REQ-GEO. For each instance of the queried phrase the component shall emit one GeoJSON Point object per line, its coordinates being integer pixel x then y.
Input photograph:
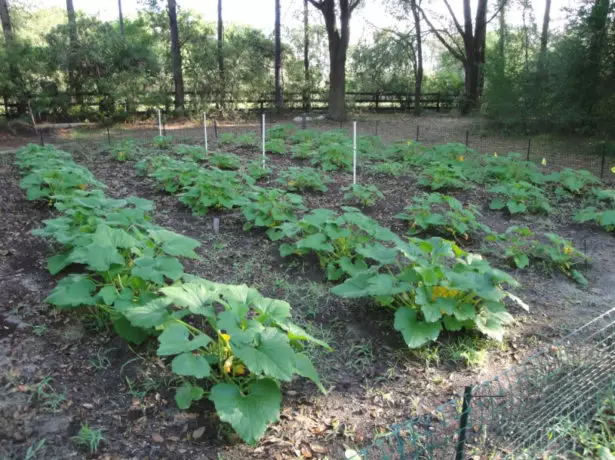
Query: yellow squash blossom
{"type": "Point", "coordinates": [461, 158]}
{"type": "Point", "coordinates": [443, 291]}
{"type": "Point", "coordinates": [544, 162]}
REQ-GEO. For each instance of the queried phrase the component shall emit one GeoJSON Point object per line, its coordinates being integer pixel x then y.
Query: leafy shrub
{"type": "Point", "coordinates": [520, 197]}
{"type": "Point", "coordinates": [270, 208]}
{"type": "Point", "coordinates": [275, 146]}
{"type": "Point", "coordinates": [335, 136]}
{"type": "Point", "coordinates": [302, 179]}
{"type": "Point", "coordinates": [333, 238]}
{"type": "Point", "coordinates": [256, 171]}
{"type": "Point", "coordinates": [408, 151]}
{"type": "Point", "coordinates": [438, 286]}
{"type": "Point", "coordinates": [606, 219]}
{"type": "Point", "coordinates": [365, 195]}
{"type": "Point", "coordinates": [442, 176]}
{"type": "Point", "coordinates": [520, 246]}
{"type": "Point", "coordinates": [281, 132]}
{"type": "Point", "coordinates": [192, 152]}
{"type": "Point", "coordinates": [162, 142]}
{"type": "Point", "coordinates": [213, 189]}
{"type": "Point", "coordinates": [443, 214]}
{"type": "Point", "coordinates": [334, 156]}
{"type": "Point", "coordinates": [370, 146]}
{"type": "Point", "coordinates": [507, 168]}
{"type": "Point", "coordinates": [573, 181]}
{"type": "Point", "coordinates": [123, 151]}
{"type": "Point", "coordinates": [228, 161]}
{"type": "Point", "coordinates": [173, 176]}
{"type": "Point", "coordinates": [303, 150]}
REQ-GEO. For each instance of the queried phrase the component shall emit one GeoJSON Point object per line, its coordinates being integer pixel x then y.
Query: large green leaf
{"type": "Point", "coordinates": [415, 333]}
{"type": "Point", "coordinates": [114, 237]}
{"type": "Point", "coordinates": [151, 314]}
{"type": "Point", "coordinates": [271, 355]}
{"type": "Point", "coordinates": [129, 332]}
{"type": "Point", "coordinates": [315, 242]}
{"type": "Point", "coordinates": [191, 365]}
{"type": "Point", "coordinates": [99, 258]}
{"type": "Point", "coordinates": [298, 333]}
{"type": "Point", "coordinates": [174, 244]}
{"type": "Point", "coordinates": [305, 368]}
{"type": "Point", "coordinates": [175, 339]}
{"type": "Point", "coordinates": [248, 414]}
{"type": "Point", "coordinates": [157, 268]}
{"type": "Point", "coordinates": [72, 291]}
{"type": "Point", "coordinates": [195, 296]}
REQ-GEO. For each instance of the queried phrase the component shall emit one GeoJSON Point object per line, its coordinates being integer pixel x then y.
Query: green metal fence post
{"type": "Point", "coordinates": [463, 423]}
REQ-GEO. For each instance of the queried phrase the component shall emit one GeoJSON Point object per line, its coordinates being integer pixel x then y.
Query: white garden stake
{"type": "Point", "coordinates": [263, 137]}
{"type": "Point", "coordinates": [205, 129]}
{"type": "Point", "coordinates": [159, 123]}
{"type": "Point", "coordinates": [354, 152]}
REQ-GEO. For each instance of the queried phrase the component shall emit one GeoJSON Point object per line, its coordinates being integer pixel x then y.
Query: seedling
{"type": "Point", "coordinates": [89, 437]}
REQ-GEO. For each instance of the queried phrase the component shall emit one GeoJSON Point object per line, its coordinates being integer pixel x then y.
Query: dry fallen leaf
{"type": "Point", "coordinates": [318, 448]}
{"type": "Point", "coordinates": [157, 438]}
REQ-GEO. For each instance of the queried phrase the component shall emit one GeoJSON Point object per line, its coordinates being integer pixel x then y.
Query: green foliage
{"type": "Point", "coordinates": [172, 175]}
{"type": "Point", "coordinates": [301, 179]}
{"type": "Point", "coordinates": [162, 142]}
{"type": "Point", "coordinates": [333, 238]}
{"type": "Point", "coordinates": [445, 176]}
{"type": "Point", "coordinates": [242, 343]}
{"type": "Point", "coordinates": [507, 168]}
{"type": "Point", "coordinates": [213, 189]}
{"type": "Point", "coordinates": [520, 246]}
{"type": "Point", "coordinates": [334, 156]}
{"type": "Point", "coordinates": [226, 139]}
{"type": "Point", "coordinates": [303, 151]}
{"type": "Point", "coordinates": [190, 152]}
{"type": "Point", "coordinates": [228, 161]}
{"type": "Point", "coordinates": [88, 437]}
{"type": "Point", "coordinates": [606, 219]}
{"type": "Point", "coordinates": [364, 195]}
{"type": "Point", "coordinates": [437, 286]}
{"type": "Point", "coordinates": [124, 150]}
{"type": "Point", "coordinates": [247, 140]}
{"type": "Point", "coordinates": [390, 169]}
{"type": "Point", "coordinates": [269, 208]}
{"type": "Point", "coordinates": [282, 132]}
{"type": "Point", "coordinates": [519, 197]}
{"type": "Point", "coordinates": [573, 181]}
{"type": "Point", "coordinates": [443, 214]}
{"type": "Point", "coordinates": [404, 151]}
{"type": "Point", "coordinates": [275, 146]}
{"type": "Point", "coordinates": [303, 136]}
{"type": "Point", "coordinates": [256, 171]}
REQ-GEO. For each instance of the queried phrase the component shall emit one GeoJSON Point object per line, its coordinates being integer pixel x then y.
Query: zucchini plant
{"type": "Point", "coordinates": [432, 285]}
{"type": "Point", "coordinates": [300, 179]}
{"type": "Point", "coordinates": [214, 189]}
{"type": "Point", "coordinates": [363, 195]}
{"type": "Point", "coordinates": [519, 197]}
{"type": "Point", "coordinates": [269, 208]}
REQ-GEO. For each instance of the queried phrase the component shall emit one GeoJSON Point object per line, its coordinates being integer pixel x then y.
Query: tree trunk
{"type": "Point", "coordinates": [278, 59]}
{"type": "Point", "coordinates": [73, 78]}
{"type": "Point", "coordinates": [338, 48]}
{"type": "Point", "coordinates": [119, 6]}
{"type": "Point", "coordinates": [502, 38]}
{"type": "Point", "coordinates": [176, 56]}
{"type": "Point", "coordinates": [222, 86]}
{"type": "Point", "coordinates": [5, 18]}
{"type": "Point", "coordinates": [418, 77]}
{"type": "Point", "coordinates": [598, 25]}
{"type": "Point", "coordinates": [544, 36]}
{"type": "Point", "coordinates": [14, 74]}
{"type": "Point", "coordinates": [307, 84]}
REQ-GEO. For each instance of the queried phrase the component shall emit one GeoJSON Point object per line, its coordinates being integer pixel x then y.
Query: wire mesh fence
{"type": "Point", "coordinates": [557, 152]}
{"type": "Point", "coordinates": [525, 413]}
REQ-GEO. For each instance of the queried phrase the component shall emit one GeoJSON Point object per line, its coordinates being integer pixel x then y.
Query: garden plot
{"type": "Point", "coordinates": [410, 317]}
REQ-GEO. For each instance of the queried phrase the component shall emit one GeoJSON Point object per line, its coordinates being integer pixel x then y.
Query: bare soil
{"type": "Point", "coordinates": [372, 379]}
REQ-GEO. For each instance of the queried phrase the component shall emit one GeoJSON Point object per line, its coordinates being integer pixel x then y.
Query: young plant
{"type": "Point", "coordinates": [333, 157]}
{"type": "Point", "coordinates": [364, 195]}
{"type": "Point", "coordinates": [213, 189]}
{"type": "Point", "coordinates": [334, 239]}
{"type": "Point", "coordinates": [390, 169]}
{"type": "Point", "coordinates": [123, 151]}
{"type": "Point", "coordinates": [303, 151]}
{"type": "Point", "coordinates": [162, 142]}
{"type": "Point", "coordinates": [255, 170]}
{"type": "Point", "coordinates": [437, 286]}
{"type": "Point", "coordinates": [191, 152]}
{"type": "Point", "coordinates": [515, 245]}
{"type": "Point", "coordinates": [175, 175]}
{"type": "Point", "coordinates": [304, 136]}
{"type": "Point", "coordinates": [226, 139]}
{"type": "Point", "coordinates": [89, 438]}
{"type": "Point", "coordinates": [445, 176]}
{"type": "Point", "coordinates": [520, 197]}
{"type": "Point", "coordinates": [301, 179]}
{"type": "Point", "coordinates": [277, 146]}
{"type": "Point", "coordinates": [602, 212]}
{"type": "Point", "coordinates": [227, 161]}
{"type": "Point", "coordinates": [269, 208]}
{"type": "Point", "coordinates": [281, 132]}
{"type": "Point", "coordinates": [443, 214]}
{"type": "Point", "coordinates": [248, 140]}
{"type": "Point", "coordinates": [506, 168]}
{"type": "Point", "coordinates": [573, 181]}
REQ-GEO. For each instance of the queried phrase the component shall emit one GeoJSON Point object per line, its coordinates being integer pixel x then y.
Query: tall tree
{"type": "Point", "coordinates": [338, 49]}
{"type": "Point", "coordinates": [473, 35]}
{"type": "Point", "coordinates": [278, 59]}
{"type": "Point", "coordinates": [15, 85]}
{"type": "Point", "coordinates": [7, 26]}
{"type": "Point", "coordinates": [176, 57]}
{"type": "Point", "coordinates": [418, 77]}
{"type": "Point", "coordinates": [597, 27]}
{"type": "Point", "coordinates": [307, 83]}
{"type": "Point", "coordinates": [121, 16]}
{"type": "Point", "coordinates": [222, 86]}
{"type": "Point", "coordinates": [73, 79]}
{"type": "Point", "coordinates": [544, 36]}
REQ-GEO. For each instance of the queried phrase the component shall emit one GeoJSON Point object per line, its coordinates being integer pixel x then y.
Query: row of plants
{"type": "Point", "coordinates": [227, 343]}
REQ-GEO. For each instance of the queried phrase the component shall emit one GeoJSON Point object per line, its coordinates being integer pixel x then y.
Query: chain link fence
{"type": "Point", "coordinates": [528, 412]}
